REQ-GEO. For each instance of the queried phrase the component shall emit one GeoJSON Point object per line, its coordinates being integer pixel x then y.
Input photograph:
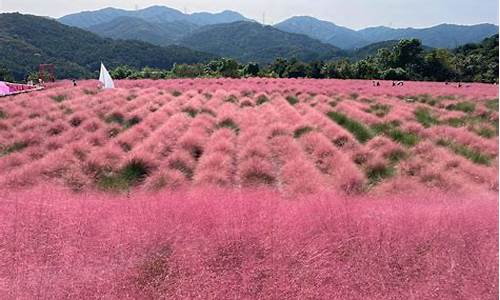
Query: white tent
{"type": "Point", "coordinates": [105, 78]}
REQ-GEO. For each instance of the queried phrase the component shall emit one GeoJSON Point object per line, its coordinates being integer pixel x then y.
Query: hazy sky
{"type": "Point", "coordinates": [351, 13]}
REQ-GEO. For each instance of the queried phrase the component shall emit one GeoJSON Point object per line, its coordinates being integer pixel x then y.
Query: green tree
{"type": "Point", "coordinates": [5, 75]}
{"type": "Point", "coordinates": [439, 65]}
{"type": "Point", "coordinates": [251, 69]}
{"type": "Point", "coordinates": [121, 72]}
{"type": "Point", "coordinates": [394, 74]}
{"type": "Point", "coordinates": [296, 69]}
{"type": "Point", "coordinates": [366, 69]}
{"type": "Point", "coordinates": [279, 67]}
{"type": "Point", "coordinates": [188, 71]}
{"type": "Point", "coordinates": [315, 69]}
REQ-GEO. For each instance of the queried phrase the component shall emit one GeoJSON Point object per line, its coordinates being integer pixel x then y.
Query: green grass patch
{"type": "Point", "coordinates": [379, 172]}
{"type": "Point", "coordinates": [396, 134]}
{"type": "Point", "coordinates": [424, 99]}
{"type": "Point", "coordinates": [182, 167]}
{"type": "Point", "coordinates": [486, 132]}
{"type": "Point", "coordinates": [90, 92]}
{"type": "Point", "coordinates": [115, 118]}
{"type": "Point", "coordinates": [133, 173]}
{"type": "Point", "coordinates": [229, 123]}
{"type": "Point", "coordinates": [208, 112]}
{"type": "Point", "coordinates": [190, 111]}
{"type": "Point", "coordinates": [380, 110]}
{"type": "Point", "coordinates": [15, 147]}
{"type": "Point", "coordinates": [302, 131]}
{"type": "Point", "coordinates": [471, 154]}
{"type": "Point", "coordinates": [292, 100]}
{"type": "Point", "coordinates": [396, 156]}
{"type": "Point", "coordinates": [456, 122]}
{"type": "Point", "coordinates": [176, 93]}
{"type": "Point", "coordinates": [59, 98]}
{"type": "Point", "coordinates": [132, 122]}
{"type": "Point", "coordinates": [261, 100]}
{"type": "Point", "coordinates": [466, 107]}
{"type": "Point", "coordinates": [425, 117]}
{"type": "Point", "coordinates": [354, 96]}
{"type": "Point", "coordinates": [3, 115]}
{"type": "Point", "coordinates": [492, 104]}
{"type": "Point", "coordinates": [131, 97]}
{"type": "Point", "coordinates": [360, 131]}
{"type": "Point", "coordinates": [231, 99]}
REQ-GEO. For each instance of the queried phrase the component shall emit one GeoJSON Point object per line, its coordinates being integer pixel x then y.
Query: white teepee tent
{"type": "Point", "coordinates": [105, 78]}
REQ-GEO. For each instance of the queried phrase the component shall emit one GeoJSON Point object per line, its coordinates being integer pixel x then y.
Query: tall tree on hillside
{"type": "Point", "coordinates": [408, 55]}
{"type": "Point", "coordinates": [279, 67]}
{"type": "Point", "coordinates": [438, 65]}
{"type": "Point", "coordinates": [5, 75]}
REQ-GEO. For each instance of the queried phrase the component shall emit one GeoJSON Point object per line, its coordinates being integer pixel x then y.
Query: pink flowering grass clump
{"type": "Point", "coordinates": [227, 244]}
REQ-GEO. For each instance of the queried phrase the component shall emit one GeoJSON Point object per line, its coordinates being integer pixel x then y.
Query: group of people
{"type": "Point", "coordinates": [394, 83]}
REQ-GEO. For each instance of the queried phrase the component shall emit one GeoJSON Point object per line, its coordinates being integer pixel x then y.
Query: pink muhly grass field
{"type": "Point", "coordinates": [219, 244]}
{"type": "Point", "coordinates": [250, 189]}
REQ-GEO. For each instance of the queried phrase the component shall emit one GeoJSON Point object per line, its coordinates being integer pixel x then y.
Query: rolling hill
{"type": "Point", "coordinates": [324, 31]}
{"type": "Point", "coordinates": [251, 41]}
{"type": "Point", "coordinates": [162, 26]}
{"type": "Point", "coordinates": [440, 36]}
{"type": "Point", "coordinates": [30, 40]}
{"type": "Point", "coordinates": [131, 28]}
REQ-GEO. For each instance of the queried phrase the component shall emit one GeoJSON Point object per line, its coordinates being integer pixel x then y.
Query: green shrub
{"type": "Point", "coordinates": [17, 146]}
{"type": "Point", "coordinates": [134, 172]}
{"type": "Point", "coordinates": [302, 131]}
{"type": "Point", "coordinates": [471, 154]}
{"type": "Point", "coordinates": [229, 123]}
{"type": "Point", "coordinates": [456, 122]}
{"type": "Point", "coordinates": [380, 110]}
{"type": "Point", "coordinates": [486, 132]}
{"type": "Point", "coordinates": [132, 122]}
{"type": "Point", "coordinates": [176, 93]}
{"type": "Point", "coordinates": [492, 104]}
{"type": "Point", "coordinates": [182, 167]}
{"type": "Point", "coordinates": [115, 118]}
{"type": "Point", "coordinates": [131, 97]}
{"type": "Point", "coordinates": [292, 100]}
{"type": "Point", "coordinates": [465, 106]}
{"type": "Point", "coordinates": [258, 178]}
{"type": "Point", "coordinates": [261, 100]}
{"type": "Point", "coordinates": [231, 99]}
{"type": "Point", "coordinates": [360, 131]}
{"type": "Point", "coordinates": [424, 117]}
{"type": "Point", "coordinates": [59, 98]}
{"type": "Point", "coordinates": [190, 111]}
{"type": "Point", "coordinates": [379, 172]}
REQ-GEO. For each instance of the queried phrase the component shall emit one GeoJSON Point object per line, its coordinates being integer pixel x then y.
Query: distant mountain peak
{"type": "Point", "coordinates": [155, 14]}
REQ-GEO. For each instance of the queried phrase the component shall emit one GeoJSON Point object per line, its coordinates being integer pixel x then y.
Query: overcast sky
{"type": "Point", "coordinates": [351, 13]}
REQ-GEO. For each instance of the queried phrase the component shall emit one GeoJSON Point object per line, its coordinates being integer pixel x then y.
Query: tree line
{"type": "Point", "coordinates": [406, 60]}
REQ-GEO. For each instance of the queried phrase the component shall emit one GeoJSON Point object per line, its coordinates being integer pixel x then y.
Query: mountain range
{"type": "Point", "coordinates": [251, 41]}
{"type": "Point", "coordinates": [27, 41]}
{"type": "Point", "coordinates": [162, 25]}
{"type": "Point", "coordinates": [158, 37]}
{"type": "Point", "coordinates": [153, 14]}
{"type": "Point", "coordinates": [440, 36]}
